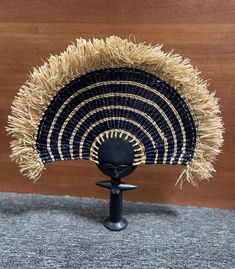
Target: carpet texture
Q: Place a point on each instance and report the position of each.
(66, 232)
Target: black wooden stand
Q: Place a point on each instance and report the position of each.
(115, 221)
(116, 156)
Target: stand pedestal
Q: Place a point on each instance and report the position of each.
(115, 221)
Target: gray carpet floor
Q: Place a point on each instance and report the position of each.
(66, 232)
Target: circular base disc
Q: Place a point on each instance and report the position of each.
(115, 226)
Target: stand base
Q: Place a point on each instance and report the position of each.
(115, 226)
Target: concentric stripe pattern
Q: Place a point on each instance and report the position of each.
(125, 99)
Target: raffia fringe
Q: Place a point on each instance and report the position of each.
(45, 81)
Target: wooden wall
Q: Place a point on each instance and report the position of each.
(201, 30)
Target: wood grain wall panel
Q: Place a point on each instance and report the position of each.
(201, 30)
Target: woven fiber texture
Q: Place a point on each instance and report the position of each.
(66, 232)
(123, 99)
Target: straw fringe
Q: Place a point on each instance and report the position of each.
(84, 56)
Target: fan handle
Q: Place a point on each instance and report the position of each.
(116, 156)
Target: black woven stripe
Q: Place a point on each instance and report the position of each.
(133, 129)
(117, 74)
(123, 125)
(128, 102)
(156, 116)
(151, 111)
(98, 116)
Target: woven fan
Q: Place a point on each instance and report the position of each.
(101, 89)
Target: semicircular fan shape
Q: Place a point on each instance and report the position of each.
(114, 87)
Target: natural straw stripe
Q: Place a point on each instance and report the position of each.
(85, 56)
(158, 130)
(118, 94)
(101, 109)
(109, 119)
(133, 83)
